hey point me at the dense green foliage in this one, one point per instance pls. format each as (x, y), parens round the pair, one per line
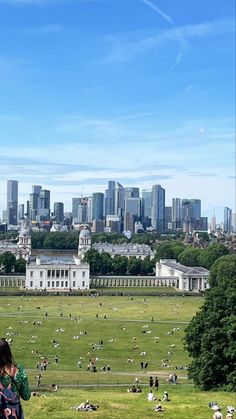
(10, 264)
(211, 335)
(103, 263)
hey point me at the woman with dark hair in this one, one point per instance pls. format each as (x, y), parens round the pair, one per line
(12, 375)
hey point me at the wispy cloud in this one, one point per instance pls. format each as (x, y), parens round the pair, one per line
(159, 11)
(126, 46)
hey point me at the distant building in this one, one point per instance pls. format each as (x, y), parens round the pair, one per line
(140, 251)
(110, 198)
(59, 211)
(63, 274)
(171, 273)
(12, 202)
(158, 208)
(227, 220)
(168, 218)
(97, 205)
(176, 214)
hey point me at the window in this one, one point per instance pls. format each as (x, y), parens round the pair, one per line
(53, 284)
(66, 273)
(41, 274)
(83, 284)
(83, 274)
(73, 284)
(57, 274)
(49, 273)
(53, 273)
(62, 283)
(57, 284)
(74, 274)
(62, 274)
(31, 284)
(48, 283)
(31, 274)
(66, 284)
(41, 284)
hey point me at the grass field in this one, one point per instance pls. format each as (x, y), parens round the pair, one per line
(151, 324)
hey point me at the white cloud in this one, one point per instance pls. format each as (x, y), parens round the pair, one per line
(158, 10)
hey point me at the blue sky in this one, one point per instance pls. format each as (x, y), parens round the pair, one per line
(140, 91)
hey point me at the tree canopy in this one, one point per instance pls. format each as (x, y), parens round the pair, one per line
(211, 335)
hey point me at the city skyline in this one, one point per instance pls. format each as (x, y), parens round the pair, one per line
(133, 90)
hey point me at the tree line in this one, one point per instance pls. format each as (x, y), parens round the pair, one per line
(9, 263)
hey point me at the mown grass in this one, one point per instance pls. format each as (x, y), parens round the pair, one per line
(126, 320)
(186, 402)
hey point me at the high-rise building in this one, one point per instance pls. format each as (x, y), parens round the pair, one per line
(227, 220)
(44, 205)
(119, 199)
(128, 222)
(75, 208)
(90, 209)
(191, 208)
(110, 198)
(34, 203)
(21, 212)
(234, 222)
(168, 218)
(146, 207)
(83, 211)
(12, 201)
(158, 208)
(133, 206)
(36, 189)
(98, 203)
(213, 224)
(131, 192)
(59, 211)
(176, 213)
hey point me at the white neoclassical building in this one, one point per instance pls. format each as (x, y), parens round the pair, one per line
(185, 278)
(60, 274)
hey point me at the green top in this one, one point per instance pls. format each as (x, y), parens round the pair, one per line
(19, 383)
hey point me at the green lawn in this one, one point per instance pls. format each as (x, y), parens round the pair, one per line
(163, 319)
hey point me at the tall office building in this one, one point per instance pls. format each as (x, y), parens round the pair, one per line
(59, 211)
(119, 199)
(34, 203)
(12, 201)
(158, 208)
(110, 198)
(133, 207)
(97, 204)
(75, 208)
(90, 209)
(168, 218)
(131, 192)
(227, 220)
(176, 213)
(191, 208)
(146, 207)
(36, 189)
(83, 211)
(44, 205)
(21, 212)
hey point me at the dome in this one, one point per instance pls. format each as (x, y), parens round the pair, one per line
(85, 233)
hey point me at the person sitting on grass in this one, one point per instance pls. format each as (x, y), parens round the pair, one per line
(217, 414)
(165, 397)
(150, 396)
(158, 408)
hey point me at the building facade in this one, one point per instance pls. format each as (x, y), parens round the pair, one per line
(171, 273)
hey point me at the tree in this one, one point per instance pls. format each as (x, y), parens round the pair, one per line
(147, 266)
(169, 250)
(20, 266)
(189, 257)
(119, 265)
(208, 256)
(7, 260)
(211, 335)
(93, 257)
(134, 266)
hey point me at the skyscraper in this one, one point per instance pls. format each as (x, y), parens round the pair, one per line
(119, 199)
(110, 198)
(12, 201)
(97, 204)
(44, 205)
(158, 208)
(227, 220)
(176, 213)
(59, 211)
(191, 208)
(75, 208)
